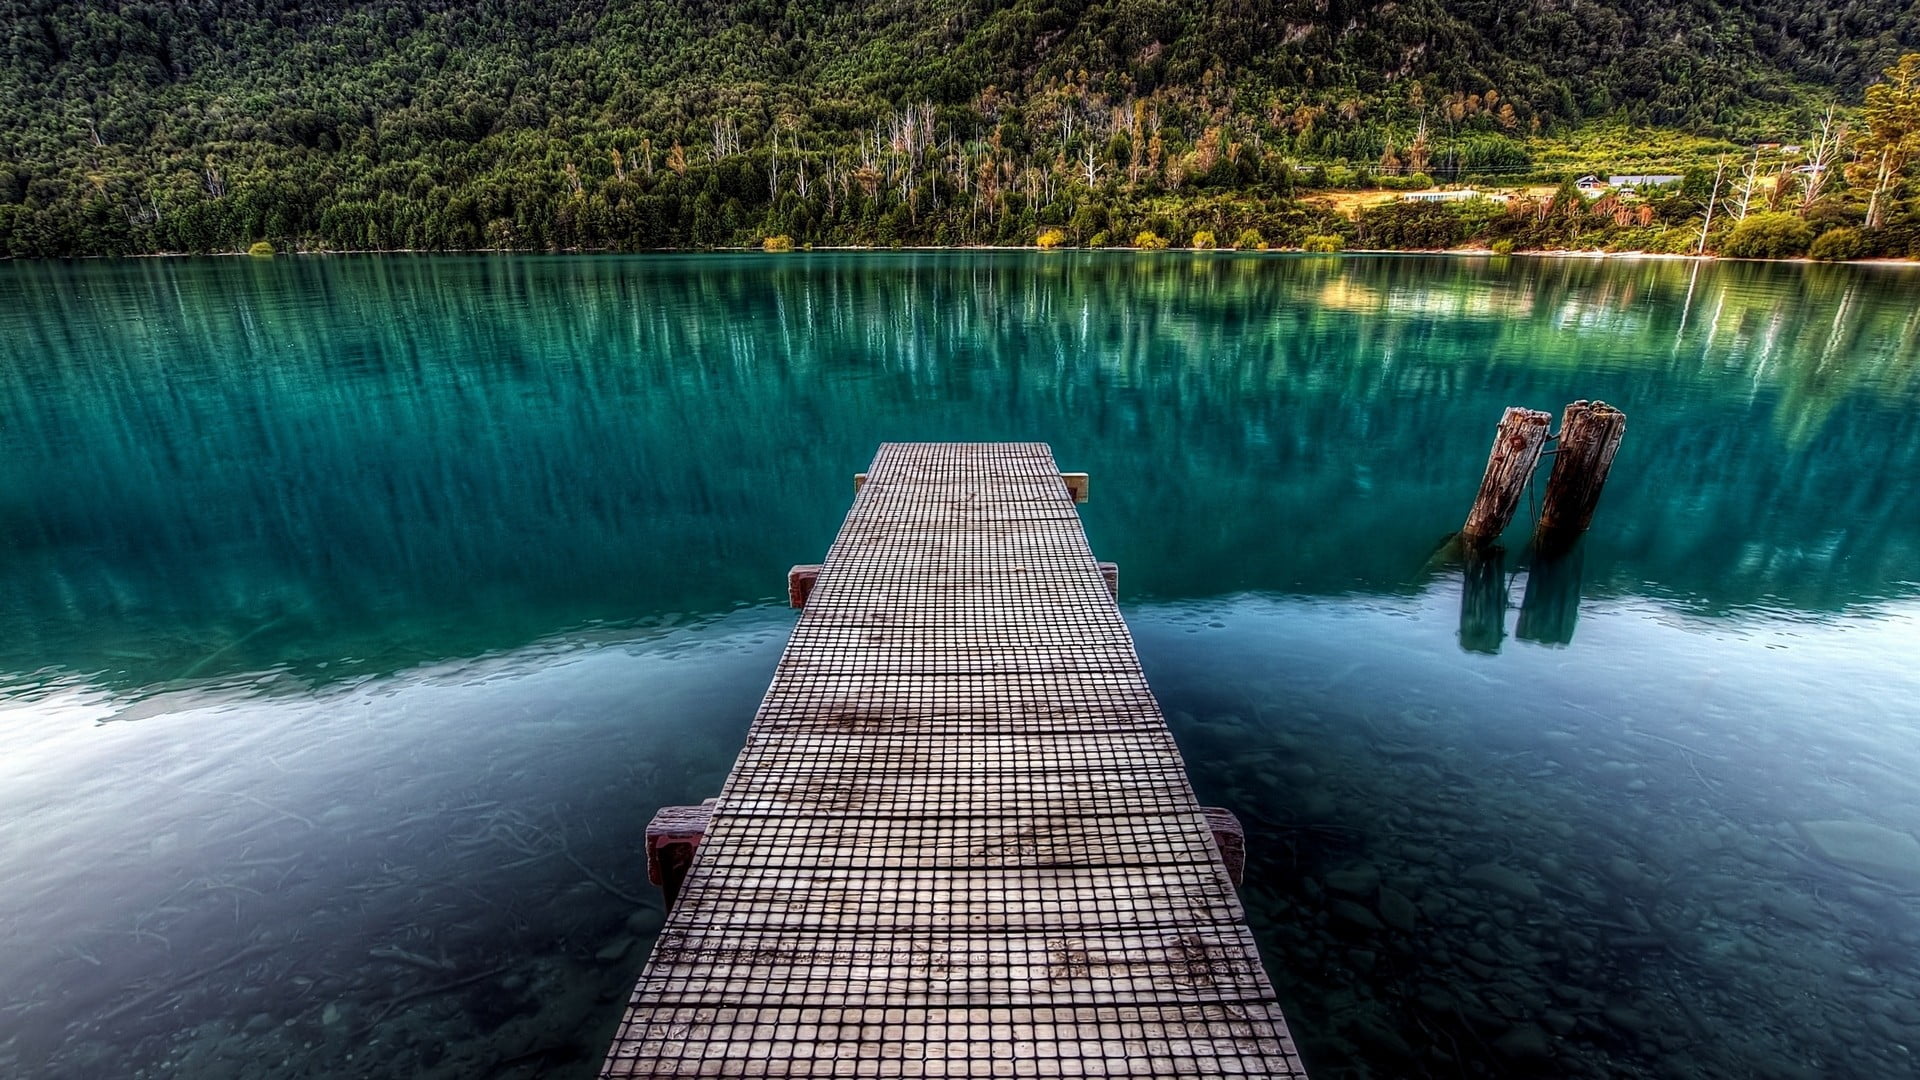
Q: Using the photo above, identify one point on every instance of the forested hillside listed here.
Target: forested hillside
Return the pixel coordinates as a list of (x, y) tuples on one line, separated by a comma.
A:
[(149, 126)]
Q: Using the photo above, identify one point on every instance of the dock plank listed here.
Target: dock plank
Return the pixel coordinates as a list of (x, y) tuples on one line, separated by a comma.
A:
[(960, 840)]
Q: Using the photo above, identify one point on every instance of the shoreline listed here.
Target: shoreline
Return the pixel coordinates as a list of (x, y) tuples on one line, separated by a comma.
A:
[(1484, 253)]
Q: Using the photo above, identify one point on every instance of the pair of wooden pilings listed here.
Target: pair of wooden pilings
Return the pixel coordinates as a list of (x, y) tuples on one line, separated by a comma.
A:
[(1590, 433)]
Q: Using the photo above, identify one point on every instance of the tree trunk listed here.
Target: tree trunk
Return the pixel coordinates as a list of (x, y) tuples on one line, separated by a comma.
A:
[(1516, 450), (1877, 202)]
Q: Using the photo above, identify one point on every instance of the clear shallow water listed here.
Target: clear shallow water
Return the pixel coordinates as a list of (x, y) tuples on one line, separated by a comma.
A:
[(356, 613)]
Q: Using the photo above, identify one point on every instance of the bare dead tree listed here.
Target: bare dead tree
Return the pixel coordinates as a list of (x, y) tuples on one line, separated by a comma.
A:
[(726, 138), (1821, 159), (1749, 183), (1718, 174), (773, 167)]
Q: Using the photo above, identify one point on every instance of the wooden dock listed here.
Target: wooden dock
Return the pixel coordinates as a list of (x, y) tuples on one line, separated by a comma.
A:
[(960, 841)]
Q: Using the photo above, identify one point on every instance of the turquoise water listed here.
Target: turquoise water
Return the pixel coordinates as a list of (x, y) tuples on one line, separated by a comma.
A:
[(355, 614)]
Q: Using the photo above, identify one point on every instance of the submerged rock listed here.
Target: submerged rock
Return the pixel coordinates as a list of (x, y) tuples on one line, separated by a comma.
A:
[(1398, 911), (1354, 880), (1354, 913), (1625, 871), (1880, 853), (645, 921), (1503, 879), (613, 950)]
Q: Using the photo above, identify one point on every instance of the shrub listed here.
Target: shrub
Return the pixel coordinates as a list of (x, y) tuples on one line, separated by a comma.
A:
[(1090, 218), (1768, 236), (261, 250), (782, 242), (1415, 182), (1052, 238), (1503, 246), (1678, 240), (1204, 240), (1411, 225), (1836, 245), (1322, 242), (1149, 240), (1099, 239), (1250, 240)]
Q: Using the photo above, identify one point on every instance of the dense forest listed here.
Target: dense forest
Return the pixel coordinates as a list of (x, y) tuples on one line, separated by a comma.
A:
[(625, 124)]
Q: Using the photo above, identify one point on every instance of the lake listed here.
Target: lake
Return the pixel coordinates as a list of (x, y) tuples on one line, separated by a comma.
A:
[(356, 613)]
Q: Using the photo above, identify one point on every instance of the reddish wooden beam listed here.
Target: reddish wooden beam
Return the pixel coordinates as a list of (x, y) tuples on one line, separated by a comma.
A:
[(800, 581), (1230, 838), (672, 836)]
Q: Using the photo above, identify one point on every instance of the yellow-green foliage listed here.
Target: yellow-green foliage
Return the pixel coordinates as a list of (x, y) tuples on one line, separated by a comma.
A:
[(1768, 236), (1600, 146), (1322, 243), (1251, 240), (1051, 238), (1839, 244), (1503, 246), (261, 250), (1204, 240), (1148, 240), (1677, 240), (777, 243)]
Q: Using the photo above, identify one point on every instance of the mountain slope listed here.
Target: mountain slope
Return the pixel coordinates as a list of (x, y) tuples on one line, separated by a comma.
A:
[(139, 110)]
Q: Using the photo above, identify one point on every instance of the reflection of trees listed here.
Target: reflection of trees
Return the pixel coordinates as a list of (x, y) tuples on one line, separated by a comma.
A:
[(219, 464)]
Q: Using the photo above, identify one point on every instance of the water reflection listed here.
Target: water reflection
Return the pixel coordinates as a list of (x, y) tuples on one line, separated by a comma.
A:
[(1483, 601), (222, 466), (1550, 607)]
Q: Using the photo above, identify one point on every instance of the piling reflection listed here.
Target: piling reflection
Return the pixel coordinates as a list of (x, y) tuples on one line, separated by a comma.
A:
[(1550, 607), (220, 466), (1483, 601)]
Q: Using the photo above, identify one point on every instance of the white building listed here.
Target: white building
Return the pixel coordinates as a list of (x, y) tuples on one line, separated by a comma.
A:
[(1456, 195)]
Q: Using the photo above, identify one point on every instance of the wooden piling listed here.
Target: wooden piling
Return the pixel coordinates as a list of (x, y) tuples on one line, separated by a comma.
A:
[(1516, 450), (1590, 434)]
